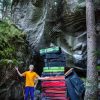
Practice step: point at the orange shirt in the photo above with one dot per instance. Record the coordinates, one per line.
(30, 77)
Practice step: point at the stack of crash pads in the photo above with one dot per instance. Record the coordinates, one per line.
(53, 88)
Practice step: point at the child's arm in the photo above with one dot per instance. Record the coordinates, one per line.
(18, 71)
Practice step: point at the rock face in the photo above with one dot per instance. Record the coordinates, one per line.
(40, 19)
(60, 22)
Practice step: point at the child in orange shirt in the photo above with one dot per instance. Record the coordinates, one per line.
(30, 77)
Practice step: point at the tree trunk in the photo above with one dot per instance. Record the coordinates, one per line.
(92, 79)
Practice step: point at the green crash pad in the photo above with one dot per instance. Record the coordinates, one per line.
(50, 50)
(53, 69)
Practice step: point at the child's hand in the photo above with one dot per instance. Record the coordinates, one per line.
(16, 68)
(46, 77)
